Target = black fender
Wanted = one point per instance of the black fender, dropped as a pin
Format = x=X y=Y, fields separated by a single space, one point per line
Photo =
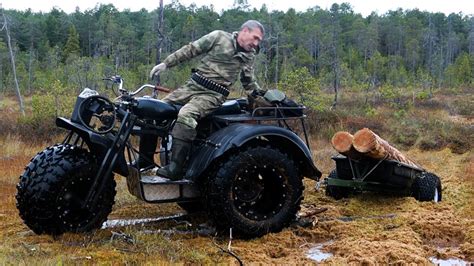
x=98 y=144
x=237 y=135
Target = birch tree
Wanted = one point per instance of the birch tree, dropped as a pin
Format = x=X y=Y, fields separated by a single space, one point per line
x=12 y=59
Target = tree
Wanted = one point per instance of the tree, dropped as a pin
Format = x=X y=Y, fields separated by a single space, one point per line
x=430 y=43
x=72 y=47
x=471 y=36
x=12 y=59
x=334 y=48
x=56 y=27
x=301 y=83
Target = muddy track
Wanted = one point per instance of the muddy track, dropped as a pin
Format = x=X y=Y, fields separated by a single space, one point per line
x=366 y=228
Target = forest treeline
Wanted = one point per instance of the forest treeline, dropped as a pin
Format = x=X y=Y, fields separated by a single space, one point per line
x=312 y=50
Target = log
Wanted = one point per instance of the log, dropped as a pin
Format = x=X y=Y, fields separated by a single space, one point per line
x=342 y=143
x=367 y=142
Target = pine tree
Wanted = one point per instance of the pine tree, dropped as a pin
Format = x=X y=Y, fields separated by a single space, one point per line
x=72 y=48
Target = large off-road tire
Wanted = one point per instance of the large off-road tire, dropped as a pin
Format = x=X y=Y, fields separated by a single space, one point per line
x=427 y=187
x=52 y=188
x=255 y=191
x=336 y=192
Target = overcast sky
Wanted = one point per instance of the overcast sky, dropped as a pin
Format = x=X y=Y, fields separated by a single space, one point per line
x=365 y=7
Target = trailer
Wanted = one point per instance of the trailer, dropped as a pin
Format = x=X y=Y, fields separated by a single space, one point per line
x=384 y=176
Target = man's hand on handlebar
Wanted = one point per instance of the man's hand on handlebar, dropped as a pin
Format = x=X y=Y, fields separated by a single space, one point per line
x=157 y=69
x=258 y=92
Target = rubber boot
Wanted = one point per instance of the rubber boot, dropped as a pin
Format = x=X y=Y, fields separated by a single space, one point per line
x=183 y=137
x=148 y=143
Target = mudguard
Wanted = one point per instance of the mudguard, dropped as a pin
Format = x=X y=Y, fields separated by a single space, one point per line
x=98 y=144
x=95 y=141
x=237 y=135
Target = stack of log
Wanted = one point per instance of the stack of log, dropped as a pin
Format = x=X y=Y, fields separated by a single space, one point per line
x=365 y=143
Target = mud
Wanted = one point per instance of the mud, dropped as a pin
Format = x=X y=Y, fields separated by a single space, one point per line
x=364 y=229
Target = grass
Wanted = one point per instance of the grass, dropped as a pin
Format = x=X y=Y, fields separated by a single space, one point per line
x=417 y=231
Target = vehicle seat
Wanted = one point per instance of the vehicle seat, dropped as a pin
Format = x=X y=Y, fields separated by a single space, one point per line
x=227 y=108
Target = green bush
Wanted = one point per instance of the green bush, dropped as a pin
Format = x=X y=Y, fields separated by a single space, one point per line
x=46 y=106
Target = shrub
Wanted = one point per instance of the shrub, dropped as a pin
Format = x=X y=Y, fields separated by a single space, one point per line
x=437 y=134
x=462 y=106
x=40 y=124
x=324 y=123
x=355 y=123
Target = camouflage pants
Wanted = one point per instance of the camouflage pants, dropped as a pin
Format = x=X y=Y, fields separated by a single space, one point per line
x=197 y=102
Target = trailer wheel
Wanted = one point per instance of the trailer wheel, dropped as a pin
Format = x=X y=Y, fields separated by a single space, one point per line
x=254 y=192
x=427 y=187
x=336 y=192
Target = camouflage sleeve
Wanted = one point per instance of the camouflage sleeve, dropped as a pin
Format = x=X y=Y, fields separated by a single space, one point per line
x=247 y=78
x=191 y=50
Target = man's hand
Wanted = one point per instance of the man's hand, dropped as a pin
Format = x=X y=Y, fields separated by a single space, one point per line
x=259 y=92
x=157 y=69
x=256 y=100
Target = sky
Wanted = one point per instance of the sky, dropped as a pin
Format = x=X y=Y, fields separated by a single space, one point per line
x=364 y=7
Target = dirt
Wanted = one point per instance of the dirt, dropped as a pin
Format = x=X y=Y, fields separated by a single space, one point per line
x=364 y=229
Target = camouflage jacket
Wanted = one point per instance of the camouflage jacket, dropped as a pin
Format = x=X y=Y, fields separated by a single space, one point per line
x=221 y=62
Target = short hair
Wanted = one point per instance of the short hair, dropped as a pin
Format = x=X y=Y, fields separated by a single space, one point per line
x=252 y=24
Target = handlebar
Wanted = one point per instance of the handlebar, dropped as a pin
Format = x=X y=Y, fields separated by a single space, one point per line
x=155 y=87
x=119 y=80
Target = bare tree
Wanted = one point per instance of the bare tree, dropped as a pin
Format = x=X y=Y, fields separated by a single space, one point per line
x=430 y=42
x=452 y=43
x=334 y=32
x=160 y=38
x=12 y=57
x=159 y=30
x=30 y=67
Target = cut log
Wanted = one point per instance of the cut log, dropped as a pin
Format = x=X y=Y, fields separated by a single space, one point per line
x=367 y=142
x=342 y=143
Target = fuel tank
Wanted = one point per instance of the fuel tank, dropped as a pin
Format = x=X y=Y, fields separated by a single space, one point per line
x=149 y=108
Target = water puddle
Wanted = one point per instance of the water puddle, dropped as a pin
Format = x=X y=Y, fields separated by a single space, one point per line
x=127 y=222
x=315 y=253
x=450 y=262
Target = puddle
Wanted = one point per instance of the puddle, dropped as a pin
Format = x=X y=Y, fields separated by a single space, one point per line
x=315 y=253
x=127 y=222
x=449 y=262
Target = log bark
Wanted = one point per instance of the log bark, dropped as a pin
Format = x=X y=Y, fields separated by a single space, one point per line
x=342 y=143
x=372 y=145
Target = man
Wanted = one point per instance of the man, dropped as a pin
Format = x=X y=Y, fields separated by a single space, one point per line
x=226 y=57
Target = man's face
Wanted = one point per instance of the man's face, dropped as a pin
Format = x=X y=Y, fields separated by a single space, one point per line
x=249 y=39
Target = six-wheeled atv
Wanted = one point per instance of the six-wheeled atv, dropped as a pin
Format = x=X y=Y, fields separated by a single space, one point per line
x=245 y=170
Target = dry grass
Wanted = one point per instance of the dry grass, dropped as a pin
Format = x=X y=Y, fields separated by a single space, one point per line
x=19 y=245
x=418 y=231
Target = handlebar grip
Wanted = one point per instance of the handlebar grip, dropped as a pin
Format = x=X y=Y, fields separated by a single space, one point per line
x=162 y=89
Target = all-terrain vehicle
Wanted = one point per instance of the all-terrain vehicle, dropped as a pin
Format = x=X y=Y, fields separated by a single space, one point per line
x=245 y=169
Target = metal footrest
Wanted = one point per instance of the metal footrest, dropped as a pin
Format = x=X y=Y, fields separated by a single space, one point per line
x=159 y=180
x=157 y=188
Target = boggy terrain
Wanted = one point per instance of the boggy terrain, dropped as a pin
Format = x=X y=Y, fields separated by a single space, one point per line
x=365 y=228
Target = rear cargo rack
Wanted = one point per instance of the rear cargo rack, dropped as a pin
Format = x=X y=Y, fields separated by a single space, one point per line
x=271 y=114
